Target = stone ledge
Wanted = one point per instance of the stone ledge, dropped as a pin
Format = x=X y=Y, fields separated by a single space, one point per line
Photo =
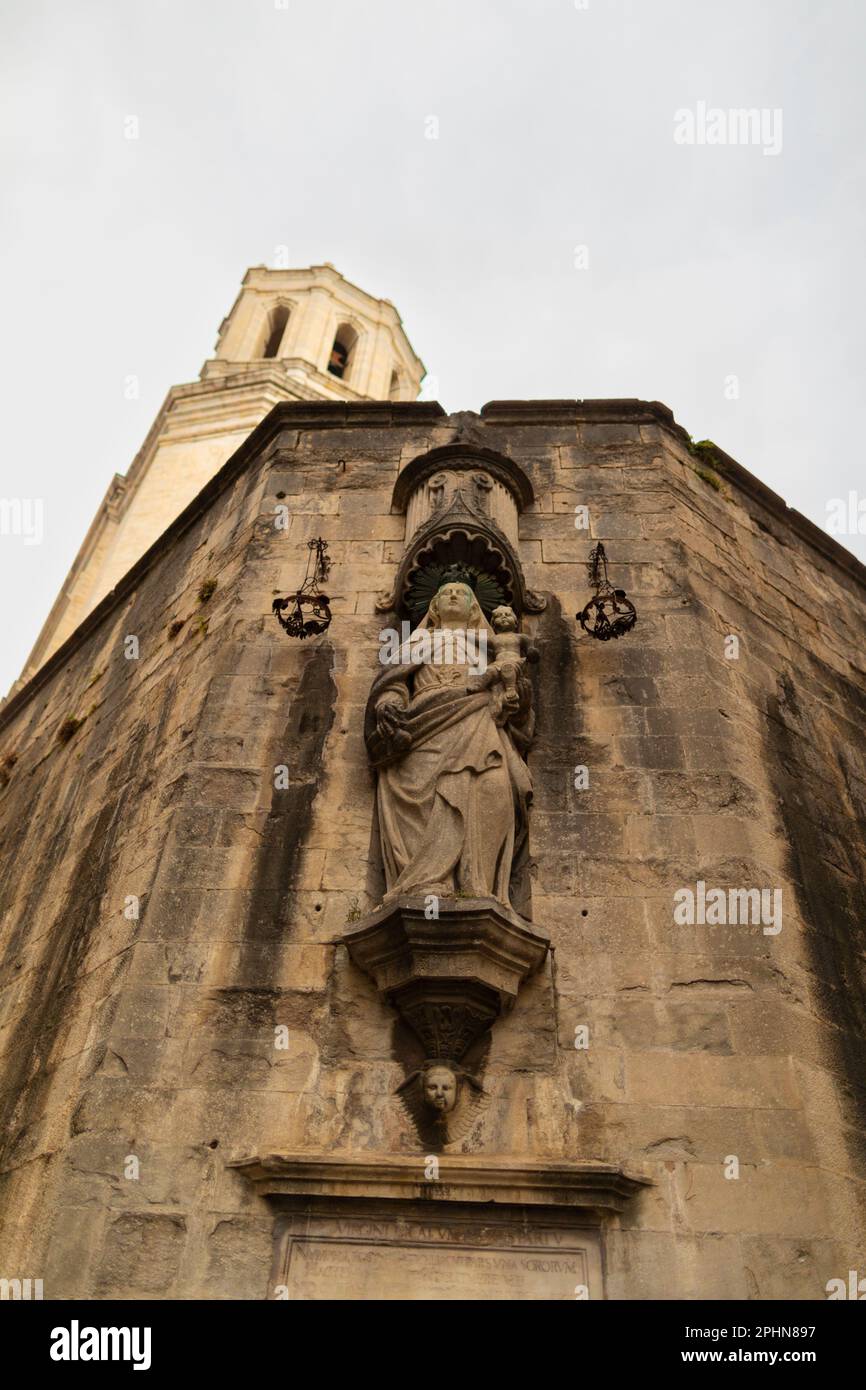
x=462 y=1178
x=452 y=976
x=476 y=938
x=626 y=410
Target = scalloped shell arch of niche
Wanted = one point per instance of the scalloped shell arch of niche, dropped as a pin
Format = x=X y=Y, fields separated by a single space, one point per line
x=462 y=505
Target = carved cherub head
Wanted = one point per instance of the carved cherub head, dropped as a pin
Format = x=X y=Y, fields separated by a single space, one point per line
x=503 y=619
x=439 y=1084
x=443 y=1099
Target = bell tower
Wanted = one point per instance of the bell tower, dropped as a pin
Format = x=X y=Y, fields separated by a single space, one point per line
x=329 y=339
x=300 y=335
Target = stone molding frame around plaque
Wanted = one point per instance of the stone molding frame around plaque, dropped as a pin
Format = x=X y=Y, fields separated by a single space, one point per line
x=522 y=1182
x=449 y=977
x=382 y=1227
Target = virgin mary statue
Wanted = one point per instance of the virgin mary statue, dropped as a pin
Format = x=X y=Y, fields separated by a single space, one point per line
x=447 y=738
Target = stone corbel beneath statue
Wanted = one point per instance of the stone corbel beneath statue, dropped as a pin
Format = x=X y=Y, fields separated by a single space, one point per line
x=449 y=978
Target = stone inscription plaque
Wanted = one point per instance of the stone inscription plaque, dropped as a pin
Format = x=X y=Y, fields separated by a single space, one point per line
x=411 y=1262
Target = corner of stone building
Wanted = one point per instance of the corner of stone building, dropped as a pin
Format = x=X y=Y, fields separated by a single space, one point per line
x=173 y=904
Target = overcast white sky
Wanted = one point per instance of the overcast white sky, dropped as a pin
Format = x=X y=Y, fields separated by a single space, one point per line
x=305 y=126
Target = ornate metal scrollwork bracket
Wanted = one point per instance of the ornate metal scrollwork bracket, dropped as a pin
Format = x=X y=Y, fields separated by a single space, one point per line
x=309 y=596
x=609 y=614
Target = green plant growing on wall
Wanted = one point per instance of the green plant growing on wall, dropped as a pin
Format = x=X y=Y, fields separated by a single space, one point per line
x=707 y=453
x=69 y=728
x=703 y=448
x=712 y=479
x=204 y=595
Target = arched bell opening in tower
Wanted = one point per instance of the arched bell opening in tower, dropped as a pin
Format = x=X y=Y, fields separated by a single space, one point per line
x=275 y=330
x=342 y=352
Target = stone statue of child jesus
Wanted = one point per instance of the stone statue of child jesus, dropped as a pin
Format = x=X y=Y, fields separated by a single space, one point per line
x=511 y=650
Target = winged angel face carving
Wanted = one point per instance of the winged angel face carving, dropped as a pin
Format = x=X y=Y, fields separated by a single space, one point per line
x=443 y=1100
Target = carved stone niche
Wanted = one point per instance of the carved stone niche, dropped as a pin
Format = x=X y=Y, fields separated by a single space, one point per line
x=462 y=845
x=451 y=977
x=462 y=505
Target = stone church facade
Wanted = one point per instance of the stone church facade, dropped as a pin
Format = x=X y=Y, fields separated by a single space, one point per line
x=295 y=1003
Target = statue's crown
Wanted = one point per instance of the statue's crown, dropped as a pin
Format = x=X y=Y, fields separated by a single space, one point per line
x=458 y=574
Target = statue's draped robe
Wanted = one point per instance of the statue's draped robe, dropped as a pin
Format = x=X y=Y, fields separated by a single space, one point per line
x=452 y=804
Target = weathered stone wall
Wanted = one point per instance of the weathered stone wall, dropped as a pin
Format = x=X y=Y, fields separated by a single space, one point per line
x=155 y=1036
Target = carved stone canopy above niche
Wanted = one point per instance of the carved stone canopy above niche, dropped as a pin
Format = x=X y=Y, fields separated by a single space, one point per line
x=462 y=505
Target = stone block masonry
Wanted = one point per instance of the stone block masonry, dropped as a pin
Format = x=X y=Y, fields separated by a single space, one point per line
x=171 y=995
